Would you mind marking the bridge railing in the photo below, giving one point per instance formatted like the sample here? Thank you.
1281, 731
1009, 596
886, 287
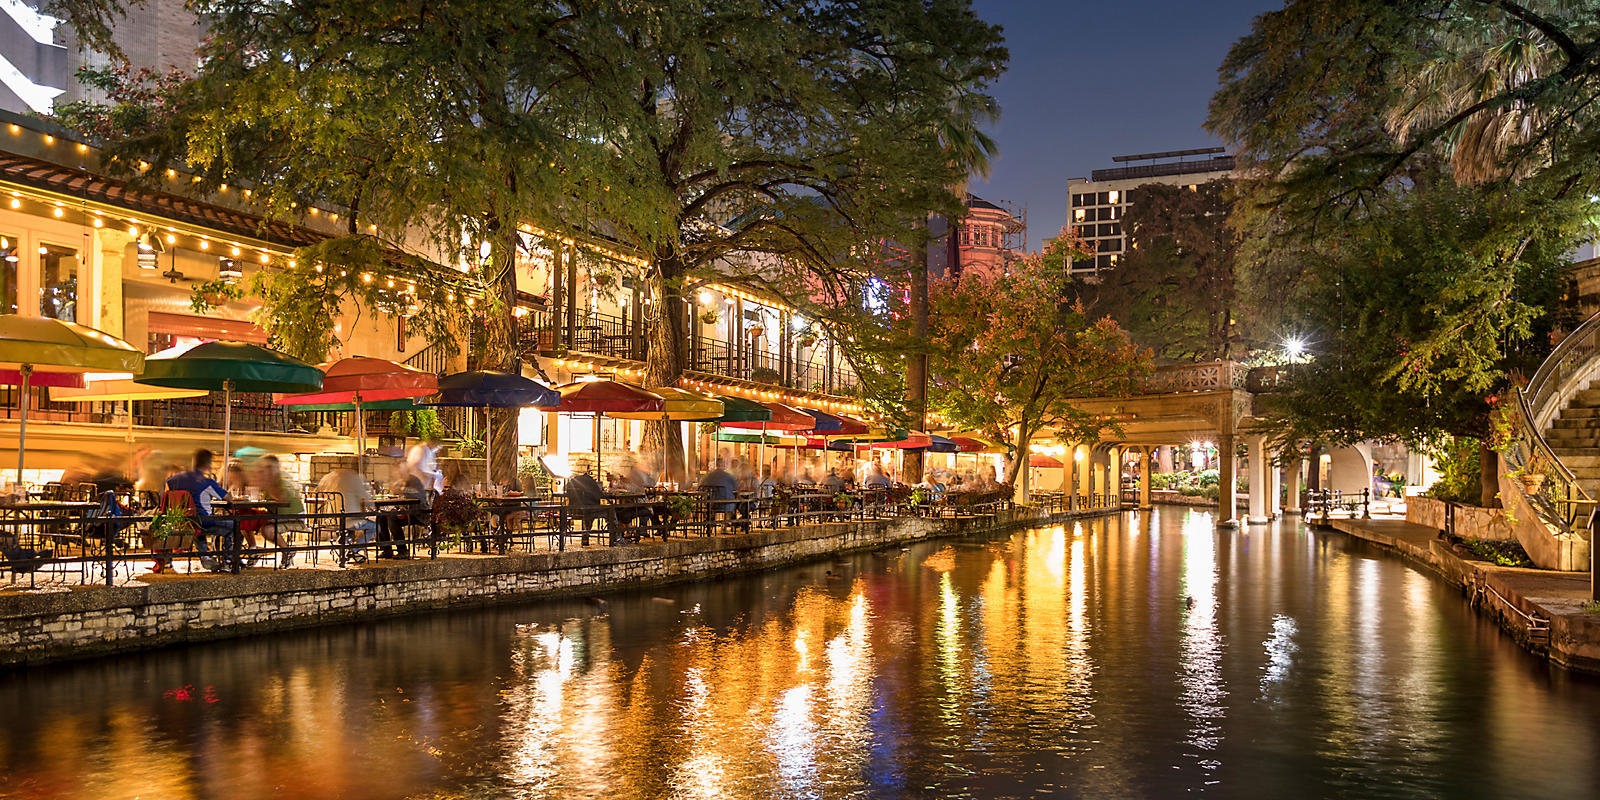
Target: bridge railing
1207, 376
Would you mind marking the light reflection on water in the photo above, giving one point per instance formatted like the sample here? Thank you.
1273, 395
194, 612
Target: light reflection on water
1134, 657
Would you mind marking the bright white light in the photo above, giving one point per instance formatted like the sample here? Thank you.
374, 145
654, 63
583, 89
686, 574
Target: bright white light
706, 297
1294, 347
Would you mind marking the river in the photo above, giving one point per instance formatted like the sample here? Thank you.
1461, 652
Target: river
1120, 657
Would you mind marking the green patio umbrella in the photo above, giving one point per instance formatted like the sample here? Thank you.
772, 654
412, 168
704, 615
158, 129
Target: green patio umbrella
231, 367
56, 346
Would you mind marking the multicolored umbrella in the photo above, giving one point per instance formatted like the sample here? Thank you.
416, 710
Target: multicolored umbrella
59, 347
359, 380
231, 367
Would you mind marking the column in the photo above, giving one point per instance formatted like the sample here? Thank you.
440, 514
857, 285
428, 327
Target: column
1081, 455
110, 247
1296, 469
1227, 481
1164, 459
1274, 486
1115, 477
1260, 463
1144, 478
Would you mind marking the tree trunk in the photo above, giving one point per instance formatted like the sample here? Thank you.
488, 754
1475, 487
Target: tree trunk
1015, 463
665, 337
501, 347
1488, 477
917, 364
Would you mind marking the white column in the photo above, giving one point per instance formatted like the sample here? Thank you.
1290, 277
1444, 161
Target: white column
1259, 481
1227, 481
1296, 469
1115, 477
1144, 477
1274, 488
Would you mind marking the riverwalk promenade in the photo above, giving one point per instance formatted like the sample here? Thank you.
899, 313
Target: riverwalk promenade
93, 620
1542, 609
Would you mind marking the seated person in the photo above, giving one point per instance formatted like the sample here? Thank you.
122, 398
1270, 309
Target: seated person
276, 487
721, 485
835, 481
391, 527
355, 498
204, 491
586, 499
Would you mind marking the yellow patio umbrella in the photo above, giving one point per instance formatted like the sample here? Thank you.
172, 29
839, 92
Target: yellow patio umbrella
57, 346
111, 387
679, 405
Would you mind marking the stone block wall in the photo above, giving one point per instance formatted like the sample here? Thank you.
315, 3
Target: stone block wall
95, 620
1472, 522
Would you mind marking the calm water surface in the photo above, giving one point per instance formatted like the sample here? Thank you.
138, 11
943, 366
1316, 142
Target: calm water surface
1119, 658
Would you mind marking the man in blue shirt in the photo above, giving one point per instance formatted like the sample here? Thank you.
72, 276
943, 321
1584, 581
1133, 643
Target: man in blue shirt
204, 490
720, 485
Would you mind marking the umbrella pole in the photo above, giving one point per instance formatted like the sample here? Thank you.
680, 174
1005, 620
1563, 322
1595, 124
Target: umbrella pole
361, 441
763, 464
22, 423
488, 449
599, 472
227, 421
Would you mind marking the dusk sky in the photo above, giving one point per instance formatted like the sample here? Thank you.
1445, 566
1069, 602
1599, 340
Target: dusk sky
1091, 80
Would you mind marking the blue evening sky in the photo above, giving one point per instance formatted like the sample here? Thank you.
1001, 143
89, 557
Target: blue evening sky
1091, 80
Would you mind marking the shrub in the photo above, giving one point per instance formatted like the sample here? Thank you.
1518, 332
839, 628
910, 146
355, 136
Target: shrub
1456, 459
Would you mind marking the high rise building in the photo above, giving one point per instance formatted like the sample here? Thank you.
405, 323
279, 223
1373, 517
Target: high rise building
40, 55
1097, 204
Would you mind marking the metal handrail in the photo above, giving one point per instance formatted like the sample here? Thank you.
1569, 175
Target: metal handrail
1559, 499
1570, 357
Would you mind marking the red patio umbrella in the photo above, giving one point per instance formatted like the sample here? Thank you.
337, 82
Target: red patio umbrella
1048, 462
362, 379
608, 397
913, 439
784, 418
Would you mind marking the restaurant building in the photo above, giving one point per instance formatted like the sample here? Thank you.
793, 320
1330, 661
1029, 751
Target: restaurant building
82, 246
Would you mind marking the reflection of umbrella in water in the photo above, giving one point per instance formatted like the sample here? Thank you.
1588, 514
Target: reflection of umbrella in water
231, 367
58, 347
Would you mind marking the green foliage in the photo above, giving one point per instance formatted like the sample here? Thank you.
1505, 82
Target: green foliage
474, 447
1456, 459
1173, 290
1007, 354
423, 423
1419, 174
1504, 553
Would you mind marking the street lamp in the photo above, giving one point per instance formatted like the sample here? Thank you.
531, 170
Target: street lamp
1295, 347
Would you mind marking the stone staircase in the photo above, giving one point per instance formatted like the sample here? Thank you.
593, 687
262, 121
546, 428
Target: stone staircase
1574, 435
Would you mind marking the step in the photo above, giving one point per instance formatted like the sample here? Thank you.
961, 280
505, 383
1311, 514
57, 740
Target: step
1578, 460
1576, 423
1573, 434
1579, 412
1586, 397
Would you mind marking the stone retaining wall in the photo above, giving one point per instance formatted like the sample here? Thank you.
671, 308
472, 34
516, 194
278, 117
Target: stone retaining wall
1472, 522
95, 620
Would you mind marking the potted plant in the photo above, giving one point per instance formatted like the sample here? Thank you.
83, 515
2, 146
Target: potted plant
679, 506
843, 501
807, 341
757, 330
1532, 474
710, 317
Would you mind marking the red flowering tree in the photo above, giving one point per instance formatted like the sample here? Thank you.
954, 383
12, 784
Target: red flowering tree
1008, 353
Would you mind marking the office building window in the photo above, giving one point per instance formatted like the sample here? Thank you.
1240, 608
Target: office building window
58, 282
1077, 215
8, 274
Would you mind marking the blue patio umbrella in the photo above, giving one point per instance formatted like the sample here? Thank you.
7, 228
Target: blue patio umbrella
488, 388
941, 445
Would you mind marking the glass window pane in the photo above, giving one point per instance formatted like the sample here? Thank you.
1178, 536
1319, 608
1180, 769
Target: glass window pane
58, 282
8, 274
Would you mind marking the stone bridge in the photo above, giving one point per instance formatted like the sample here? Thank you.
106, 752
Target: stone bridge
1180, 404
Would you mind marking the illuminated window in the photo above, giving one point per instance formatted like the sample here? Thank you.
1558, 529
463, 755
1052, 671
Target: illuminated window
1113, 197
8, 275
58, 282
1077, 215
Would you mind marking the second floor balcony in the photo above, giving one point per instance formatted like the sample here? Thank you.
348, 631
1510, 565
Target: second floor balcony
814, 368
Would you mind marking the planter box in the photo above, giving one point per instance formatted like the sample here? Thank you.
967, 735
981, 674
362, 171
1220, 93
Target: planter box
1471, 522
